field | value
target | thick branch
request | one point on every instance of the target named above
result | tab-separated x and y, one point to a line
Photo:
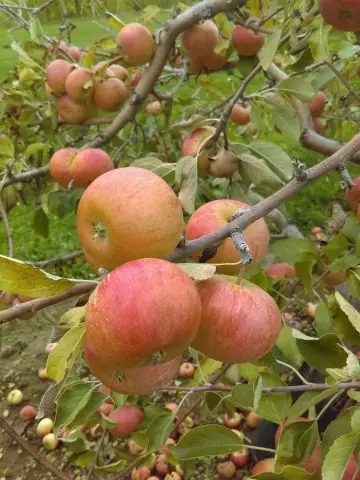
173	28
25	177
262	208
40	303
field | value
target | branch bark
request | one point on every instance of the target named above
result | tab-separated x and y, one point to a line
26	177
57	260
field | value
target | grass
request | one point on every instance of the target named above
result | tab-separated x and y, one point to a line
309	207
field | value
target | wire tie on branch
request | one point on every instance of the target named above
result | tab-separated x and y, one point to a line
345	178
241	245
335	223
299	170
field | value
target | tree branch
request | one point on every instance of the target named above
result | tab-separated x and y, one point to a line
25	177
343	80
173	28
262	208
57	260
7	226
40	303
25	446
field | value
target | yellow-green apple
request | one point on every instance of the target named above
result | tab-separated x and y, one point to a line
128	213
186	370
343	15
352	195
136	44
110	94
57	73
200	40
264	466
89	164
247	42
154	108
240	115
191	145
317	104
218	213
72	112
253	419
281	270
226	469
79	85
60	165
240	322
127	419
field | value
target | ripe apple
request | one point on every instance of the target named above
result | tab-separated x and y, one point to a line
224	164
119	72
246	42
142	329
195	65
50	347
79	85
318	126
226	469
127	419
186	370
57	73
150	224
42	373
89	164
266	465
191	145
214	60
110	94
44	427
240	115
233	421
311	309
200	40
135	449
344	15
253	419
241	457
133	381
50	442
72	112
240	322
28	412
161	465
74	53
281	270
316	230
105	409
317	104
142	473
136	43
352	195
59	165
154	108
136	78
218	213
173	406
15	397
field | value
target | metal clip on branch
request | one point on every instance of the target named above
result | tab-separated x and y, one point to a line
239	241
299	170
345	178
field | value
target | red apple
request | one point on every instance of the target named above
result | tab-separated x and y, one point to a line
191	145
316	230
344	15
200	40
214	60
318	126
241	457
143	198
119	72
110	94
74	53
79	85
218	213
253	419
60	166
142	473
57	73
169	441
352	195
247	42
233	421
136	43
173	406
161	465
317	104
281	270
28	412
186	370
89	164
127	419
72	112
266	465
240	115
136	78
154	108
240	322
226	469
105	409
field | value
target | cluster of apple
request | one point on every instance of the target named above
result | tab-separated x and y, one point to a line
79	91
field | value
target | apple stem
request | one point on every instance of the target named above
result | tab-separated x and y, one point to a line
240	275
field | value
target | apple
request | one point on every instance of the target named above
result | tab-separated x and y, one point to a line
154	108
173	406
241	457
311	309
173	476
169	441
57	73
240	322
136	44
142	473
127	419
150	224
226	469
136	78
135	449
316	230
317	104
219	213
352	195
266	465
200	40
233	421
161	465
28	412
318	126
59	165
105	409
79	85
154	478
44	427
253	419
74	53
187	424
119	72
15	397
50	347
87	165
224	164
191	145
195	65
246	42
134	381
344	15
288	316
110	94
240	115
50	442
186	370
72	112
214	60
96	431
42	373
281	270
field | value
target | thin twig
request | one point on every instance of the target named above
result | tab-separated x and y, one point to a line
97	454
57	260
7	226
343	80
182	417
25	446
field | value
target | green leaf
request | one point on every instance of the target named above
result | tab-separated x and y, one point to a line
249	370
306	401
207	366
111	467
323	320
23	56
213	400
273	407
35	148
296	444
258	277
353	283
107	43
88	411
300	86
294	250
322	353
18	277
6	146
206	440
269	49
255	170
62	358
76	442
340	452
350	372
49	189
198	271
290	472
115	21
84	459
320	77
338	427
89	59
352	314
118	398
106	422
304	272
319	44
288	122
164	170
243	395
150	12
41	223
73	317
351	229
274	155
286	343
36	30
186	176
158	431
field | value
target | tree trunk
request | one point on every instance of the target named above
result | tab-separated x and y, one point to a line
77	7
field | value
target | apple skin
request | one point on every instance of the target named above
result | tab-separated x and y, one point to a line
281	270
133	381
343	15
154	108
240	115
120	72
226	469
214	61
241	457
74	85
246	42
264	466
335	278
352	195
232	421
186	370
142	473
72	112
136	44
191	144
110	94
89	164
253	419
317	104
161	466
56	75
142	329
150	224
200	40
218	213
127	419
75	53
105	409
240	322
318	126
59	165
